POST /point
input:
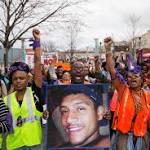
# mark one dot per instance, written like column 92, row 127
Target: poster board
column 57, row 138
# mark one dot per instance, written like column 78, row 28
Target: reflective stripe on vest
column 10, row 109
column 29, row 133
column 31, row 117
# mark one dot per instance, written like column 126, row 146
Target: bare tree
column 19, row 16
column 133, row 23
column 48, row 46
column 72, row 29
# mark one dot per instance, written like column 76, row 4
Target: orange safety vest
column 125, row 112
column 113, row 101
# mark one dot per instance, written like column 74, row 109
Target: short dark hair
column 60, row 66
column 81, row 89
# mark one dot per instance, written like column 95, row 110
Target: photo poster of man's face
column 76, row 117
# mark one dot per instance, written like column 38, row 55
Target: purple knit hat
column 21, row 66
column 132, row 66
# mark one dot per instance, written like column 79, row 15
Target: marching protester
column 3, row 86
column 131, row 118
column 25, row 103
column 59, row 72
column 66, row 78
column 3, row 89
column 77, row 72
column 146, row 75
column 5, row 123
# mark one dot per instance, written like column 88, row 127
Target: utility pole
column 96, row 46
column 23, row 53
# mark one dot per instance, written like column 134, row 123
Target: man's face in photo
column 79, row 118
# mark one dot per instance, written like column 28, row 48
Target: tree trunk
column 6, row 59
column 71, row 55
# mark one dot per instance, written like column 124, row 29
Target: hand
column 146, row 81
column 36, row 34
column 107, row 115
column 107, row 43
column 96, row 58
column 45, row 114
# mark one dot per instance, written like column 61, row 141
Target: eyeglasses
column 77, row 68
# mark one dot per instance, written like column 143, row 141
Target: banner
column 76, row 116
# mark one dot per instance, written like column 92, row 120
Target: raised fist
column 108, row 39
column 36, row 34
column 107, row 43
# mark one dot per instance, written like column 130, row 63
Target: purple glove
column 35, row 44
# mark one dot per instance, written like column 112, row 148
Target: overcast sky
column 110, row 17
column 107, row 18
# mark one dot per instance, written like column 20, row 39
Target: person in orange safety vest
column 132, row 114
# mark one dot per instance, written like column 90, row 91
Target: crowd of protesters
column 20, row 98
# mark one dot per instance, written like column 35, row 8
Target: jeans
column 125, row 142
